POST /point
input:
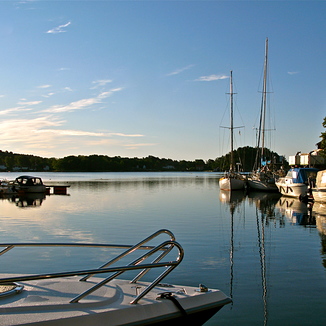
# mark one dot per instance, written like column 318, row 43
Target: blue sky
column 139, row 78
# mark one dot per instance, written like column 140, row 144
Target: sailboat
column 232, row 180
column 262, row 177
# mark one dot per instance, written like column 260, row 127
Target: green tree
column 323, row 138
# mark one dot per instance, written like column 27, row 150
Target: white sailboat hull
column 230, row 183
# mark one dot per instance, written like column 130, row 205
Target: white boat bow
column 101, row 298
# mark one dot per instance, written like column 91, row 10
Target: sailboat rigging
column 262, row 177
column 232, row 180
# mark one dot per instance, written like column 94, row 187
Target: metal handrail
column 136, row 264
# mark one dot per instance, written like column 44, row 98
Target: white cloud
column 13, row 110
column 48, row 95
column 179, row 71
column 67, row 132
column 59, row 29
column 30, row 103
column 293, row 72
column 83, row 103
column 44, row 86
column 101, row 82
column 212, row 78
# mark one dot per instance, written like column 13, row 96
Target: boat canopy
column 302, row 175
column 29, row 180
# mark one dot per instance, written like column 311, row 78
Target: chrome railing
column 158, row 252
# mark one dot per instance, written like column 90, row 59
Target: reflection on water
column 259, row 248
column 25, row 200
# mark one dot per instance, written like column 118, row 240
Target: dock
column 56, row 190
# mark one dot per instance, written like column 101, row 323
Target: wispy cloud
column 44, row 86
column 67, row 132
column 13, row 110
column 179, row 71
column 29, row 103
column 100, row 83
column 58, row 29
column 211, row 78
column 83, row 103
column 293, row 72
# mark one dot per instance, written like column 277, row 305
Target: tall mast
column 264, row 99
column 231, row 121
column 261, row 129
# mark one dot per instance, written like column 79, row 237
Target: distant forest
column 245, row 156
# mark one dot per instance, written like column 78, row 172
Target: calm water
column 265, row 251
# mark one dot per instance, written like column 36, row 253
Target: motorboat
column 232, row 180
column 27, row 184
column 98, row 296
column 319, row 191
column 297, row 182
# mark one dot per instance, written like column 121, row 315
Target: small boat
column 319, row 191
column 232, row 179
column 96, row 296
column 262, row 177
column 27, row 184
column 7, row 188
column 297, row 182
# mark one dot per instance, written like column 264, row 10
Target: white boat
column 232, row 180
column 262, row 178
column 7, row 188
column 319, row 191
column 297, row 182
column 29, row 184
column 100, row 297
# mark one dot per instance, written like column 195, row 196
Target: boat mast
column 261, row 129
column 264, row 99
column 231, row 121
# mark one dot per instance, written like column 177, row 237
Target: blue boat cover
column 301, row 175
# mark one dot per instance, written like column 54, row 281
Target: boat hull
column 47, row 302
column 32, row 189
column 319, row 195
column 229, row 183
column 292, row 190
column 262, row 186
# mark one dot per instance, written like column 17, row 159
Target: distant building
column 312, row 159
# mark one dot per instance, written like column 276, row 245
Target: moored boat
column 319, row 191
column 29, row 184
column 297, row 182
column 7, row 188
column 100, row 297
column 262, row 178
column 232, row 179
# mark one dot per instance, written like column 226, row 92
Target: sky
column 140, row 78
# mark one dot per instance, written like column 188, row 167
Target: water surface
column 267, row 252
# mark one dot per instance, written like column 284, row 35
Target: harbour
column 265, row 251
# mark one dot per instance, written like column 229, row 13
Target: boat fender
column 169, row 296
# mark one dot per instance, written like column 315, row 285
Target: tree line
column 244, row 156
